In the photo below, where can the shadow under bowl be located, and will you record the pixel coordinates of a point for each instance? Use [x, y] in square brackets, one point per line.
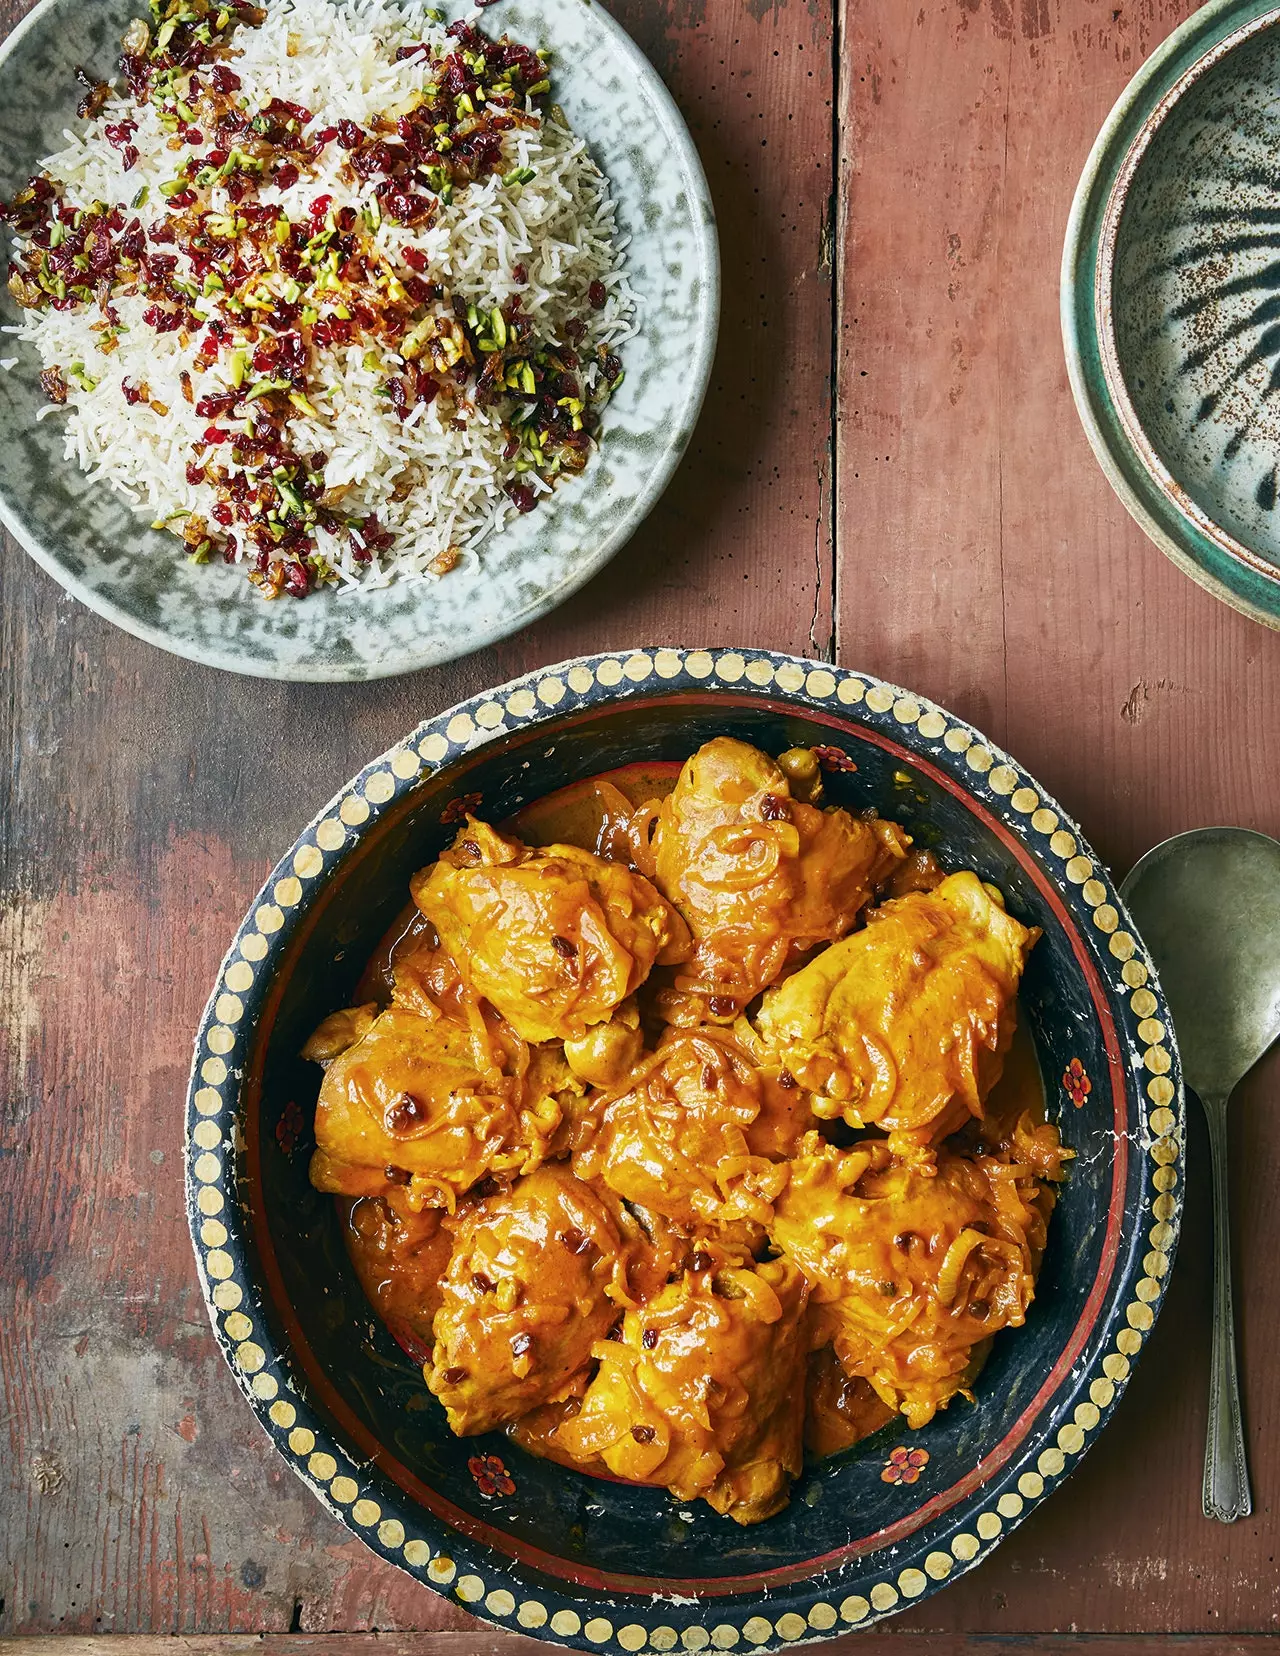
[603, 1565]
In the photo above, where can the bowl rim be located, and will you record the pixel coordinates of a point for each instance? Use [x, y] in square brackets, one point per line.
[475, 1574]
[675, 438]
[1199, 546]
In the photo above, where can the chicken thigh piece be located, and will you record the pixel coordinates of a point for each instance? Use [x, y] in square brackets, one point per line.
[608, 1052]
[839, 1411]
[704, 1392]
[527, 1295]
[399, 1257]
[554, 939]
[699, 1135]
[910, 1273]
[760, 876]
[905, 1024]
[411, 1095]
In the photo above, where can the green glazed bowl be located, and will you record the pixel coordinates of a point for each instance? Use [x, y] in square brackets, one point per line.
[1171, 299]
[103, 552]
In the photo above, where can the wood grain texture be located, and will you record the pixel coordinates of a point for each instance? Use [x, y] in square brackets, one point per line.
[481, 1641]
[982, 559]
[741, 545]
[143, 802]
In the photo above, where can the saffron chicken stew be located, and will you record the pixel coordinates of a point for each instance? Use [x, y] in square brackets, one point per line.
[665, 1136]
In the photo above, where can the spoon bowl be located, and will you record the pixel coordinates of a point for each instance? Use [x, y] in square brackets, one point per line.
[1208, 906]
[1208, 903]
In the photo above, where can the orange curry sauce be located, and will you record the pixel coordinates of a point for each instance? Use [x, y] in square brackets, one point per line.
[400, 1256]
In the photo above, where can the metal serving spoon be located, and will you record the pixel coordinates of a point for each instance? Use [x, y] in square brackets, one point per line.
[1208, 906]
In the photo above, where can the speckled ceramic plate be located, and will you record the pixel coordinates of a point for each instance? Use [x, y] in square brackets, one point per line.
[100, 550]
[603, 1565]
[1171, 300]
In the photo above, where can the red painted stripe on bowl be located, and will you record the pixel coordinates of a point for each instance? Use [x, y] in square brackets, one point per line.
[719, 1586]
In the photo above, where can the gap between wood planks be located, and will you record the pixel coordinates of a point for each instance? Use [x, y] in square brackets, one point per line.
[831, 260]
[481, 1641]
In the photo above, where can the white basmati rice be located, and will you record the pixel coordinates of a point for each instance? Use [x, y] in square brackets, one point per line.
[338, 60]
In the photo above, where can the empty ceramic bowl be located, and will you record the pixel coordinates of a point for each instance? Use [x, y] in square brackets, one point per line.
[1171, 301]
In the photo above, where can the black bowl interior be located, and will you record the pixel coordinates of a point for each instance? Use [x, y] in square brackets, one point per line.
[351, 1367]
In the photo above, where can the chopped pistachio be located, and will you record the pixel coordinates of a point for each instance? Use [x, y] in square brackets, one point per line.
[415, 341]
[293, 502]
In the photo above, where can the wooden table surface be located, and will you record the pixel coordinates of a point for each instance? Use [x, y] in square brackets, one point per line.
[889, 473]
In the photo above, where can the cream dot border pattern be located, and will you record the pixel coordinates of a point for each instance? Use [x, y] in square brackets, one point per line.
[236, 1314]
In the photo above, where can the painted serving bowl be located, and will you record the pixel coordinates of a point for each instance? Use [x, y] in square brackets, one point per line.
[601, 1565]
[1169, 301]
[103, 552]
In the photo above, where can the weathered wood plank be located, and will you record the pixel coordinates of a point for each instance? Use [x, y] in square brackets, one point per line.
[480, 1641]
[143, 801]
[984, 560]
[145, 798]
[983, 556]
[740, 547]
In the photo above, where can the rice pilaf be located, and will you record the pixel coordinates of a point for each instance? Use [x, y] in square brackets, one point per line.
[329, 290]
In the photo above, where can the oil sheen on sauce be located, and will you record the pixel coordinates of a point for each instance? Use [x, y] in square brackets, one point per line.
[399, 1258]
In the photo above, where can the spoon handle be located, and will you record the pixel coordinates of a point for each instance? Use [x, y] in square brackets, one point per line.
[1226, 1474]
